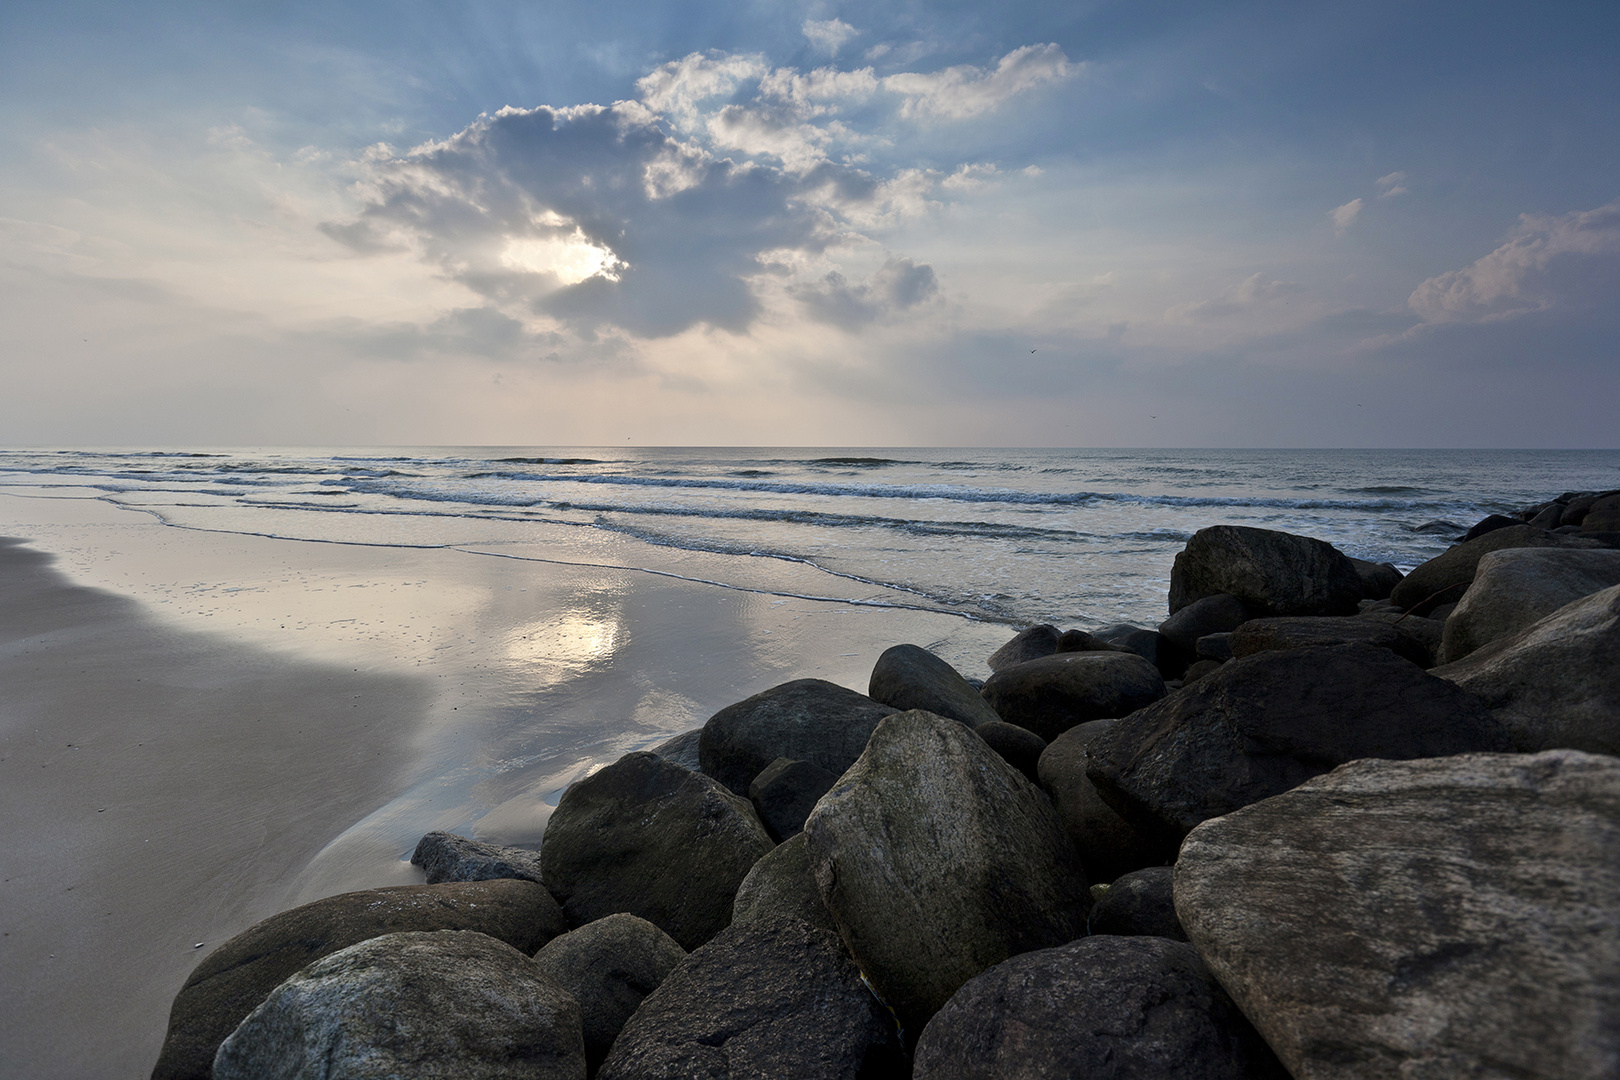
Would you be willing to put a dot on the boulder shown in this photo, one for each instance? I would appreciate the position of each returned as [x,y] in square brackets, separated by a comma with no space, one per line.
[1266,723]
[1018,747]
[1267,635]
[768,998]
[1080,641]
[1216,647]
[806,720]
[1489,524]
[1443,578]
[1138,904]
[1126,1008]
[784,793]
[1378,579]
[1216,614]
[1556,683]
[446,1003]
[1604,515]
[907,677]
[448,857]
[1197,671]
[1051,695]
[782,883]
[233,979]
[1107,844]
[1273,573]
[650,838]
[1424,919]
[682,749]
[1515,587]
[609,966]
[1422,634]
[937,859]
[1026,645]
[1144,643]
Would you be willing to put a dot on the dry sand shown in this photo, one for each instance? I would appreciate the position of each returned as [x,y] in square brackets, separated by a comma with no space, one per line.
[156,786]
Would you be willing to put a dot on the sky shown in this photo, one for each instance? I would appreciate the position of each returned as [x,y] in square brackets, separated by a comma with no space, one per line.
[1098,223]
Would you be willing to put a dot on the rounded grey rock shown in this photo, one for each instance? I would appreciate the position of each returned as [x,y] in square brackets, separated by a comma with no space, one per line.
[609,966]
[444,1005]
[1125,1008]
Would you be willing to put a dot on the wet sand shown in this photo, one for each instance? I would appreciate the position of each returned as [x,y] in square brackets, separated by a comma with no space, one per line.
[158,786]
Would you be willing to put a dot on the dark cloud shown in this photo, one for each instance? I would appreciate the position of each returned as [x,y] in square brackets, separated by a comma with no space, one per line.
[898,286]
[680,230]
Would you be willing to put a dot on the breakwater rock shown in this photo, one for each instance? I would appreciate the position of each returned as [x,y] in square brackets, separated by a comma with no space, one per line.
[1269,837]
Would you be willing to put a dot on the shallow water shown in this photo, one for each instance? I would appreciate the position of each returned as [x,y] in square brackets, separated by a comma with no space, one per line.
[1075,537]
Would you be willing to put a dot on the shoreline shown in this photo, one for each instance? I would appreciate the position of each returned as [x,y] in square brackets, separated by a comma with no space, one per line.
[496,681]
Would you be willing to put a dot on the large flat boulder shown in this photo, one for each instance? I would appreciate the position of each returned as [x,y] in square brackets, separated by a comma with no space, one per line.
[1051,695]
[937,859]
[650,838]
[1126,1008]
[233,979]
[1272,573]
[908,677]
[441,1004]
[1443,578]
[609,967]
[1107,844]
[1556,683]
[1266,723]
[1515,587]
[1264,635]
[804,720]
[1424,919]
[770,998]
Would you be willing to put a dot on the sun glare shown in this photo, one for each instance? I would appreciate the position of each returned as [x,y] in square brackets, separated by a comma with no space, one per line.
[572,258]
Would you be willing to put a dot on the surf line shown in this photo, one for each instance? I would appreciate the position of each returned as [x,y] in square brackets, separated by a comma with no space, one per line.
[929,609]
[969,616]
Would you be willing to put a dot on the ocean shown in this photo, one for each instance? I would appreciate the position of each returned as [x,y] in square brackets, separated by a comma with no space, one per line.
[1073,537]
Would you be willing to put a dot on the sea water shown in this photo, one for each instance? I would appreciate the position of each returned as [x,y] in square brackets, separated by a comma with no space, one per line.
[1014,536]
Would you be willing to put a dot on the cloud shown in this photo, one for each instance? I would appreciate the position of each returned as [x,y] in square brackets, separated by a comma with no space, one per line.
[1345,216]
[1391,185]
[1549,261]
[898,286]
[957,93]
[1252,293]
[975,176]
[680,86]
[660,214]
[828,35]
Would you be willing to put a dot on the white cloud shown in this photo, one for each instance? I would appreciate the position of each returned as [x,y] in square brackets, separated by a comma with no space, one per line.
[964,91]
[972,177]
[1345,216]
[1252,293]
[1391,185]
[1548,261]
[828,35]
[680,86]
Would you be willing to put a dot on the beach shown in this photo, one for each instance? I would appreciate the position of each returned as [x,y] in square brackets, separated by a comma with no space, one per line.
[199,729]
[240,681]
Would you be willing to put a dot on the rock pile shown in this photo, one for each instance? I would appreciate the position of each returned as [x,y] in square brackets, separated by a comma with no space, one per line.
[1268,838]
